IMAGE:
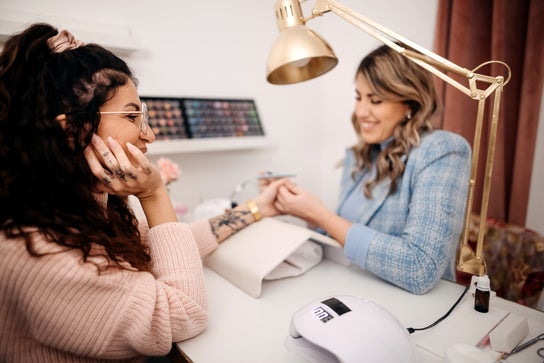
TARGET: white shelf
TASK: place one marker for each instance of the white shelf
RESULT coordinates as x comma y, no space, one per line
208,145
117,38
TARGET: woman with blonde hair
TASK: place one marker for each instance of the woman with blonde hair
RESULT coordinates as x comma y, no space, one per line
404,184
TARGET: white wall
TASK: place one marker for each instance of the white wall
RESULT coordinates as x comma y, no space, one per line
218,48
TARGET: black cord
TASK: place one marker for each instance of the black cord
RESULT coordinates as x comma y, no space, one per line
411,330
540,352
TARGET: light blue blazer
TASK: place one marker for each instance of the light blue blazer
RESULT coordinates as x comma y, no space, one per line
410,237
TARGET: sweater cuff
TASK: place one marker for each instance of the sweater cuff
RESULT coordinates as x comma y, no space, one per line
206,241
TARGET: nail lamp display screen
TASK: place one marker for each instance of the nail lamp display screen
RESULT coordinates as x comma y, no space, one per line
336,305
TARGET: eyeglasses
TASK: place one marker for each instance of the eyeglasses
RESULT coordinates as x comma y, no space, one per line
144,119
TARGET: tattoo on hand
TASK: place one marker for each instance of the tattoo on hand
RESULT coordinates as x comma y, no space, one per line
109,174
108,177
120,174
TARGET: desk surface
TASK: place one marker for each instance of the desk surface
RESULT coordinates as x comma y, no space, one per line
246,329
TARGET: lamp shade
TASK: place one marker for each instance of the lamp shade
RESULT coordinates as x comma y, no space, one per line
299,54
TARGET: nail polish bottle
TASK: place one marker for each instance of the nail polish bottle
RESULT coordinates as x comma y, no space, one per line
481,294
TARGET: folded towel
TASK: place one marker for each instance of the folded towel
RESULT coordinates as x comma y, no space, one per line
301,260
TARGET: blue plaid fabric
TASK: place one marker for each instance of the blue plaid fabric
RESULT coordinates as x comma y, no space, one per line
410,237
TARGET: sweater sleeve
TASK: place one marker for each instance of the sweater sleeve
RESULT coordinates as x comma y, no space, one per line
202,233
205,240
118,313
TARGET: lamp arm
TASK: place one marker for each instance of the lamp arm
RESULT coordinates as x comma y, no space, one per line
468,261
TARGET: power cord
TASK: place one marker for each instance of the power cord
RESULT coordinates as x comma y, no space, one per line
412,330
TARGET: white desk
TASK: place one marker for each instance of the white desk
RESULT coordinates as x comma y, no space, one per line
243,329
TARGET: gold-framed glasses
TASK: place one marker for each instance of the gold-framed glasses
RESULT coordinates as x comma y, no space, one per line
144,116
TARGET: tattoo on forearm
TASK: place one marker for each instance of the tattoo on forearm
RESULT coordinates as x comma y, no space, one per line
228,223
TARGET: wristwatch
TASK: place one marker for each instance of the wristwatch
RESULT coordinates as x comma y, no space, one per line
254,210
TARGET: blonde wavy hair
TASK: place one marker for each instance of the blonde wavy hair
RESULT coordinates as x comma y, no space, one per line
393,77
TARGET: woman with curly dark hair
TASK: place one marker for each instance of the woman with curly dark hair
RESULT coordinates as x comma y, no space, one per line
81,280
404,183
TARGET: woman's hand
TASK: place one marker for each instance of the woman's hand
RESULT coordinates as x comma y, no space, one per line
230,222
121,174
296,201
266,200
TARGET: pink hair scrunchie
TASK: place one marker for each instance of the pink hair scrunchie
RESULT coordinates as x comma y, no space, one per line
63,41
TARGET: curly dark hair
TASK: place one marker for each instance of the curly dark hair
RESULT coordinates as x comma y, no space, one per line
45,181
394,77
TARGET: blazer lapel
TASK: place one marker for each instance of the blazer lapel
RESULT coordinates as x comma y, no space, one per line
379,193
368,209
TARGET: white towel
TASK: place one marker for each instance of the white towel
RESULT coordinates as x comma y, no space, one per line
304,258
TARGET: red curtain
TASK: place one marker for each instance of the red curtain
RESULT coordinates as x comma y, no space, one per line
469,33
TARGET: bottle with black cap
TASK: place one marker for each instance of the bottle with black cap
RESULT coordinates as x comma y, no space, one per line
481,295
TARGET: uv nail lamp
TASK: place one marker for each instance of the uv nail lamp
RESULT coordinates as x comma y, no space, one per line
348,329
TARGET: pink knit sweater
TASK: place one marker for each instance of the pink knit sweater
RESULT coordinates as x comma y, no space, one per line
56,308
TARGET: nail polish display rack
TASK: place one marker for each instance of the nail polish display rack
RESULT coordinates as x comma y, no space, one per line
196,118
190,124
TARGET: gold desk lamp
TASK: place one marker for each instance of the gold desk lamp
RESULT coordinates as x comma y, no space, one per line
299,54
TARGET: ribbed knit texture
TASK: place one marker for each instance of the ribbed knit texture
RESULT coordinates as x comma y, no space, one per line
56,308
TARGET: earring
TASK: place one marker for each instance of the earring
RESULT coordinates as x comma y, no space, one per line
406,118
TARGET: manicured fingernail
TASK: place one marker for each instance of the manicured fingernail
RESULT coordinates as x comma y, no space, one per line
95,139
112,142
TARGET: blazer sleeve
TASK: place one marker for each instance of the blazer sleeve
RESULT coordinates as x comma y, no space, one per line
436,181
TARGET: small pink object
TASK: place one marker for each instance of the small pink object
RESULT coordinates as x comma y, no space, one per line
169,170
